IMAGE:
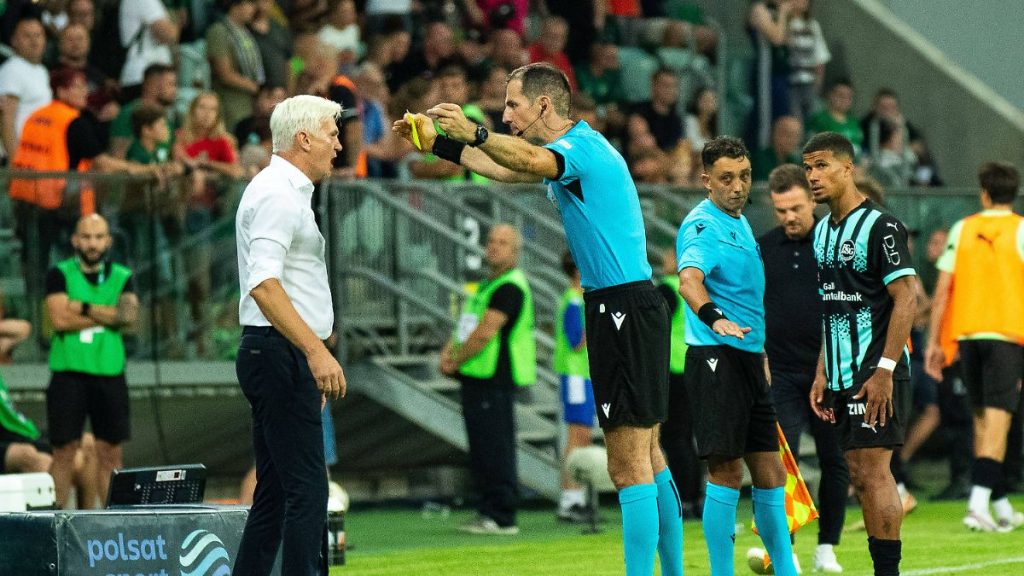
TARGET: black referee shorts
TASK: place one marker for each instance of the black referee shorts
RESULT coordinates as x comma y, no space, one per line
628,340
732,411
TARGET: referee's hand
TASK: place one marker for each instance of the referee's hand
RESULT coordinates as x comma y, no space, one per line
726,327
330,379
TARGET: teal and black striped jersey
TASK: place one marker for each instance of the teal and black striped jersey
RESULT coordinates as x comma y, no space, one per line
857,259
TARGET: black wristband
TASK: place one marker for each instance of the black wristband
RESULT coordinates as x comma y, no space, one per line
85,308
710,313
448,149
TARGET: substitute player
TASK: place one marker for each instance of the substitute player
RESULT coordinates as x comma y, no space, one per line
863,380
626,318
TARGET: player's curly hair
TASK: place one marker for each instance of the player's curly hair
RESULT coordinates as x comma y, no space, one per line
833,142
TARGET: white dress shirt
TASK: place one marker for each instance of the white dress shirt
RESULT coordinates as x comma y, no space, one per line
277,238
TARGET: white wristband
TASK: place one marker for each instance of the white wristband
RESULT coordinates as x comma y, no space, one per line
887,364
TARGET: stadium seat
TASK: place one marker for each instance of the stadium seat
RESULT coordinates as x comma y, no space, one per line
636,68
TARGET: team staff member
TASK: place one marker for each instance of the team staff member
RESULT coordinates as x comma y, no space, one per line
869,293
721,278
626,320
792,309
90,302
978,304
573,369
493,353
284,368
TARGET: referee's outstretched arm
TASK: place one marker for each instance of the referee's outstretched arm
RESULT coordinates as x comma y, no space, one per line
691,288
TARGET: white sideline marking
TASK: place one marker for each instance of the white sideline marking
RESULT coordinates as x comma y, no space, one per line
963,568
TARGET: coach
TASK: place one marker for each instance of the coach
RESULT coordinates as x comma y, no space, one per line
284,368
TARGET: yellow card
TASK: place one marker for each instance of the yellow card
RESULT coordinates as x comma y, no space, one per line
411,119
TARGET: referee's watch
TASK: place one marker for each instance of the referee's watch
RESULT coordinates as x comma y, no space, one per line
481,135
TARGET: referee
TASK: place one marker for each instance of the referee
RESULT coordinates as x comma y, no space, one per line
626,318
721,277
284,368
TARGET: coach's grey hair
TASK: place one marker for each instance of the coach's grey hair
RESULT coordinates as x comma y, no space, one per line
303,113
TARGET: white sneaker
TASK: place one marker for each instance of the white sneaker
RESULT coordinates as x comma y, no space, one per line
983,522
1010,523
759,562
487,526
825,560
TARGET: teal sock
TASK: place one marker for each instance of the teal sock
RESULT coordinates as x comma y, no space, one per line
639,504
770,515
720,527
670,533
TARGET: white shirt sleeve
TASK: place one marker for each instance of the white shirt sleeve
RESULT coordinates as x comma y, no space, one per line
275,218
266,260
821,52
947,262
10,79
139,13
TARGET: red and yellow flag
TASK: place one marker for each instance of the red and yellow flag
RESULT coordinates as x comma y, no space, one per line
800,508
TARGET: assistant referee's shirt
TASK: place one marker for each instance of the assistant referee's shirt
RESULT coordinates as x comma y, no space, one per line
277,237
723,248
600,209
858,258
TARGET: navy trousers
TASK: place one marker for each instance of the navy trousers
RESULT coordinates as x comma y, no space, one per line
290,504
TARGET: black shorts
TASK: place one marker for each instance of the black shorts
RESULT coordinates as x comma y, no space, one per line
628,339
851,429
73,396
992,371
732,410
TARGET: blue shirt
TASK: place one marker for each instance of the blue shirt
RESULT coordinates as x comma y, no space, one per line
723,248
600,209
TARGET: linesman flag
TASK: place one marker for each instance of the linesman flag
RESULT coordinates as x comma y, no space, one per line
800,508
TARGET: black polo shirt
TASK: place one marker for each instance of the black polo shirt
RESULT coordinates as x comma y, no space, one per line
792,304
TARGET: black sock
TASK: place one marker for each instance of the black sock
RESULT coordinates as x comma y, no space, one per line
999,490
987,473
885,555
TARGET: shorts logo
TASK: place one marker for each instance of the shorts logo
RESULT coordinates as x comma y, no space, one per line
846,251
856,408
869,427
606,408
713,363
618,318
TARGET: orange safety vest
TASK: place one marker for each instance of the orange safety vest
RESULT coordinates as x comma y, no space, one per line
988,280
44,148
360,167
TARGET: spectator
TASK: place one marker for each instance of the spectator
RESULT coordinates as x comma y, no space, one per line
702,119
836,116
381,145
90,301
472,51
572,366
438,52
159,90
235,61
24,81
550,47
341,31
506,49
767,23
13,331
149,35
498,14
660,113
269,96
204,145
886,106
599,78
450,86
689,12
387,49
382,15
808,55
82,12
492,354
784,148
274,41
62,136
305,16
893,164
492,98
73,53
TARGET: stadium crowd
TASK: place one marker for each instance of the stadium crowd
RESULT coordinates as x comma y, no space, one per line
184,98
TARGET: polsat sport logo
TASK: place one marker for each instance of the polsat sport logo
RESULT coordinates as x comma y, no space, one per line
203,554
